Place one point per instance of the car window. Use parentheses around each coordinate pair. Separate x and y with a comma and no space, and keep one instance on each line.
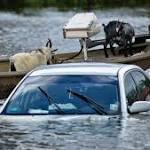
(143,85)
(49,94)
(130,89)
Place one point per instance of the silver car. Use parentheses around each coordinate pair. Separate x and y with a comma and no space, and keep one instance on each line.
(80,88)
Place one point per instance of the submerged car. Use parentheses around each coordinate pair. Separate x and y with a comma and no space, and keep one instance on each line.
(80,88)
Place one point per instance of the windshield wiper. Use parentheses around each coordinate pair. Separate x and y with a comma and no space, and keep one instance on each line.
(51,101)
(97,107)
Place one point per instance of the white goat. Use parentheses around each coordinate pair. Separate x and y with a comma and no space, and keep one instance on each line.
(27,61)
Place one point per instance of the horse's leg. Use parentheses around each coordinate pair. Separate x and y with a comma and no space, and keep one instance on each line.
(112,48)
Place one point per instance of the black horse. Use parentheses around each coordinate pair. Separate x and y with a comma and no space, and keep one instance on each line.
(119,33)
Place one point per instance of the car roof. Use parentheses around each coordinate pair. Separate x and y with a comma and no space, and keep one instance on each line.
(79,69)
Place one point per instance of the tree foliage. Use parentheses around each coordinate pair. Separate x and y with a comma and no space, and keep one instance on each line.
(69,4)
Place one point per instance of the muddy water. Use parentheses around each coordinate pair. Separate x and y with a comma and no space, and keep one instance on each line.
(82,132)
(31,28)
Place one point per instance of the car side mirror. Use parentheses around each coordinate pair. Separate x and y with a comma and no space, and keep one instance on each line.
(139,106)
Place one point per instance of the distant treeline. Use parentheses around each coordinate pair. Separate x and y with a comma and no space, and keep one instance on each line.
(69,4)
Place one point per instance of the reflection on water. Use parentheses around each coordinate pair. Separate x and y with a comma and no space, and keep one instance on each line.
(93,132)
(32,28)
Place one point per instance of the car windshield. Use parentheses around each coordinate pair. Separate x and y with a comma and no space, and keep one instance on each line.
(65,94)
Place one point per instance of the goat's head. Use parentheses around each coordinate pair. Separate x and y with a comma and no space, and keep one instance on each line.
(49,51)
(104,26)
